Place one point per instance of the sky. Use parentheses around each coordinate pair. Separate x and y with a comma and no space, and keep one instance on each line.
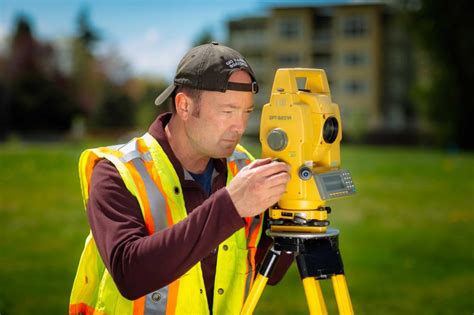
(151,36)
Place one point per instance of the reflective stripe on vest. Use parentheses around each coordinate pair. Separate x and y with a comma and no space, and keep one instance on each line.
(239,159)
(136,162)
(132,154)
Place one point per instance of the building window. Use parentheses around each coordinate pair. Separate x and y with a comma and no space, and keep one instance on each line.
(355,26)
(354,59)
(322,61)
(289,28)
(322,28)
(288,60)
(248,39)
(355,87)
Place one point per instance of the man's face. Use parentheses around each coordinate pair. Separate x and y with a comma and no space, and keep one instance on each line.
(217,123)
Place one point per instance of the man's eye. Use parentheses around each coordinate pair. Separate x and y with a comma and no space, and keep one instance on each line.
(227,111)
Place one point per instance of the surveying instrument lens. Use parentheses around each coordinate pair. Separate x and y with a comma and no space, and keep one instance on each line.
(301,127)
(330,130)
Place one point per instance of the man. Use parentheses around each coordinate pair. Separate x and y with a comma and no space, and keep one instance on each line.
(176,215)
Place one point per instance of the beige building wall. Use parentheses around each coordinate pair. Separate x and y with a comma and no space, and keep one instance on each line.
(351,42)
(357,66)
(290,36)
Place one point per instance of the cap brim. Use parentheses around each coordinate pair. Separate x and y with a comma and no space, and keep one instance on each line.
(165,94)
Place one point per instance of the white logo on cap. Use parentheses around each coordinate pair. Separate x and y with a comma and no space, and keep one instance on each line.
(236,62)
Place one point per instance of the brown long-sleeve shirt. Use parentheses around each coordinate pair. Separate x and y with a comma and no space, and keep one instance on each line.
(140,263)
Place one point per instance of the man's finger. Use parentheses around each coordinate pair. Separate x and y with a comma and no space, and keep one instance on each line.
(259,162)
(278,179)
(272,168)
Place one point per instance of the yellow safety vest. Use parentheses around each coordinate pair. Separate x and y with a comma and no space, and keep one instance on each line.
(149,175)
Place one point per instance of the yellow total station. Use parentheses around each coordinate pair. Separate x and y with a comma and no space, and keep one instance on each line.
(302,127)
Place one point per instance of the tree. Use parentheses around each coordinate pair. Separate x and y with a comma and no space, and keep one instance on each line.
(444,31)
(87,35)
(115,112)
(87,76)
(205,37)
(99,82)
(144,92)
(37,98)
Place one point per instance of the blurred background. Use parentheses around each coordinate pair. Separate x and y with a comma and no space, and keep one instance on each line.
(79,74)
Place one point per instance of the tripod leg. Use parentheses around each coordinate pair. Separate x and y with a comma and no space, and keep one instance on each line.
(342,294)
(314,296)
(254,294)
(264,273)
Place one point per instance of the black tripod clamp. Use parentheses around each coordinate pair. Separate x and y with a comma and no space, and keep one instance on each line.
(317,254)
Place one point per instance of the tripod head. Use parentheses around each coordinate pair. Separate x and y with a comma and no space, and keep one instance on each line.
(302,127)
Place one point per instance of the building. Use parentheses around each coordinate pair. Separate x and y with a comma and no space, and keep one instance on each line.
(362,47)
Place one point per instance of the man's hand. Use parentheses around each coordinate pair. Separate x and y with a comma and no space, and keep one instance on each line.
(258,186)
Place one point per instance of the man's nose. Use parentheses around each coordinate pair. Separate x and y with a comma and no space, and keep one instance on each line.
(240,123)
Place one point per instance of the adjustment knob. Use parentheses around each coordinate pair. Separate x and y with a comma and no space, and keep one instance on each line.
(305,173)
(277,139)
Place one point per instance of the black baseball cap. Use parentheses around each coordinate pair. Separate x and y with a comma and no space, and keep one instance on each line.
(209,67)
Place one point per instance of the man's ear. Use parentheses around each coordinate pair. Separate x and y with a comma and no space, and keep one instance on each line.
(182,105)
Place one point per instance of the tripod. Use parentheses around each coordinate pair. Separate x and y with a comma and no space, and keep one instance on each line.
(317,257)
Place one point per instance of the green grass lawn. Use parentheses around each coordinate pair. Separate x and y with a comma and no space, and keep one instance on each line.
(406,237)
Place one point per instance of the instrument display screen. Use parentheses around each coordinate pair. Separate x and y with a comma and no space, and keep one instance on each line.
(335,184)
